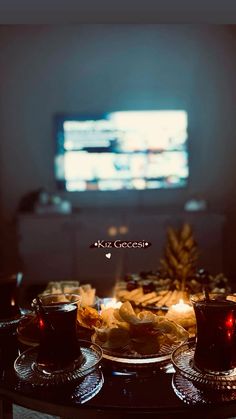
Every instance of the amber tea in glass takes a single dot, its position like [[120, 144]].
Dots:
[[59, 347], [216, 333]]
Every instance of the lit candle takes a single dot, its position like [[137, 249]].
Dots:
[[181, 307], [183, 314], [110, 303]]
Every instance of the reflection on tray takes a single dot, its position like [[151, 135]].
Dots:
[[191, 393]]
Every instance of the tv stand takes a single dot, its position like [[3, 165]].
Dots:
[[57, 247]]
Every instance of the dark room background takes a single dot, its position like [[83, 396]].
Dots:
[[103, 68]]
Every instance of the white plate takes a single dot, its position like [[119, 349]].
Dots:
[[124, 356]]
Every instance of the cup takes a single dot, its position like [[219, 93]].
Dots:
[[59, 348], [9, 284], [215, 351]]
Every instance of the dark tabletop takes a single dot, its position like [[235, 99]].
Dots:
[[132, 393]]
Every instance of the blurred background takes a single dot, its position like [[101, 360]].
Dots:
[[96, 69]]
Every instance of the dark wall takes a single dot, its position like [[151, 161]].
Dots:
[[48, 69], [96, 68]]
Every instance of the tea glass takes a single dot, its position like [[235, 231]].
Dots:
[[59, 348], [215, 351]]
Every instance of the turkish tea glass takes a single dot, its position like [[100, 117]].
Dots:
[[215, 351], [59, 348]]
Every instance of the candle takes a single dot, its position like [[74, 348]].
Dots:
[[110, 303], [181, 307], [183, 314], [13, 303]]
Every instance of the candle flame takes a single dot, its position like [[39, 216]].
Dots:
[[110, 303], [181, 306]]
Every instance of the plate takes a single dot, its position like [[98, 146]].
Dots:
[[125, 357], [182, 358], [26, 369]]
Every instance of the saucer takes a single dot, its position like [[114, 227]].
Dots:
[[182, 358], [190, 393], [26, 369], [11, 322], [78, 392], [88, 387]]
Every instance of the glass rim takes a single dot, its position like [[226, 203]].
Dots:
[[56, 303]]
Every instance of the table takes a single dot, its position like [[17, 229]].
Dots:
[[147, 394]]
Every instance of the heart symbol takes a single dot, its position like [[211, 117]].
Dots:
[[108, 255]]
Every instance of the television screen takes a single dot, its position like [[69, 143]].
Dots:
[[122, 150]]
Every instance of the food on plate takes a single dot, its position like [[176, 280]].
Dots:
[[88, 295], [144, 333], [163, 298], [185, 319], [146, 346], [86, 291], [127, 313], [58, 287], [88, 317], [113, 338], [167, 288]]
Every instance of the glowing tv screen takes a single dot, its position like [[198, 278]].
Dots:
[[122, 150]]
